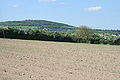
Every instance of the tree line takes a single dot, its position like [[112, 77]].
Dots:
[[81, 35]]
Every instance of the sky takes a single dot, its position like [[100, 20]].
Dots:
[[97, 14]]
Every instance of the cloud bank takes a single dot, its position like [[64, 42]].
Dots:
[[47, 0], [95, 8]]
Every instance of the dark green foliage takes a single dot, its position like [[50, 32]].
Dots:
[[2, 33], [116, 41], [95, 39], [31, 34]]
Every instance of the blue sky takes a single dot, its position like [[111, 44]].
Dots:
[[99, 14]]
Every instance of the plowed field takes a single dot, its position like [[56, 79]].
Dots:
[[44, 60]]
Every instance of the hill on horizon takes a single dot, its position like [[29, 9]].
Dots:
[[38, 24]]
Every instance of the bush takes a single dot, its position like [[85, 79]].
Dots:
[[31, 34]]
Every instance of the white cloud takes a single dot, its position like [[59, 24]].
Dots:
[[15, 6], [96, 8], [47, 0], [62, 3]]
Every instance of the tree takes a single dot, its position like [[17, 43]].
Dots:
[[116, 41], [96, 39], [83, 33]]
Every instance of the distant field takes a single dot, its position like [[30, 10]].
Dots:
[[43, 60], [21, 27]]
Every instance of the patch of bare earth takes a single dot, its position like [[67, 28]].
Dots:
[[40, 60]]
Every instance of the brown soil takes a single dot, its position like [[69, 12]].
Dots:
[[40, 60]]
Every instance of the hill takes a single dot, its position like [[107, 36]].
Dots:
[[38, 24]]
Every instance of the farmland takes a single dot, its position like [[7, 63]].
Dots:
[[44, 60], [55, 31]]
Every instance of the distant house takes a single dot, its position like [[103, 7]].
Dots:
[[118, 35], [114, 35], [101, 35]]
